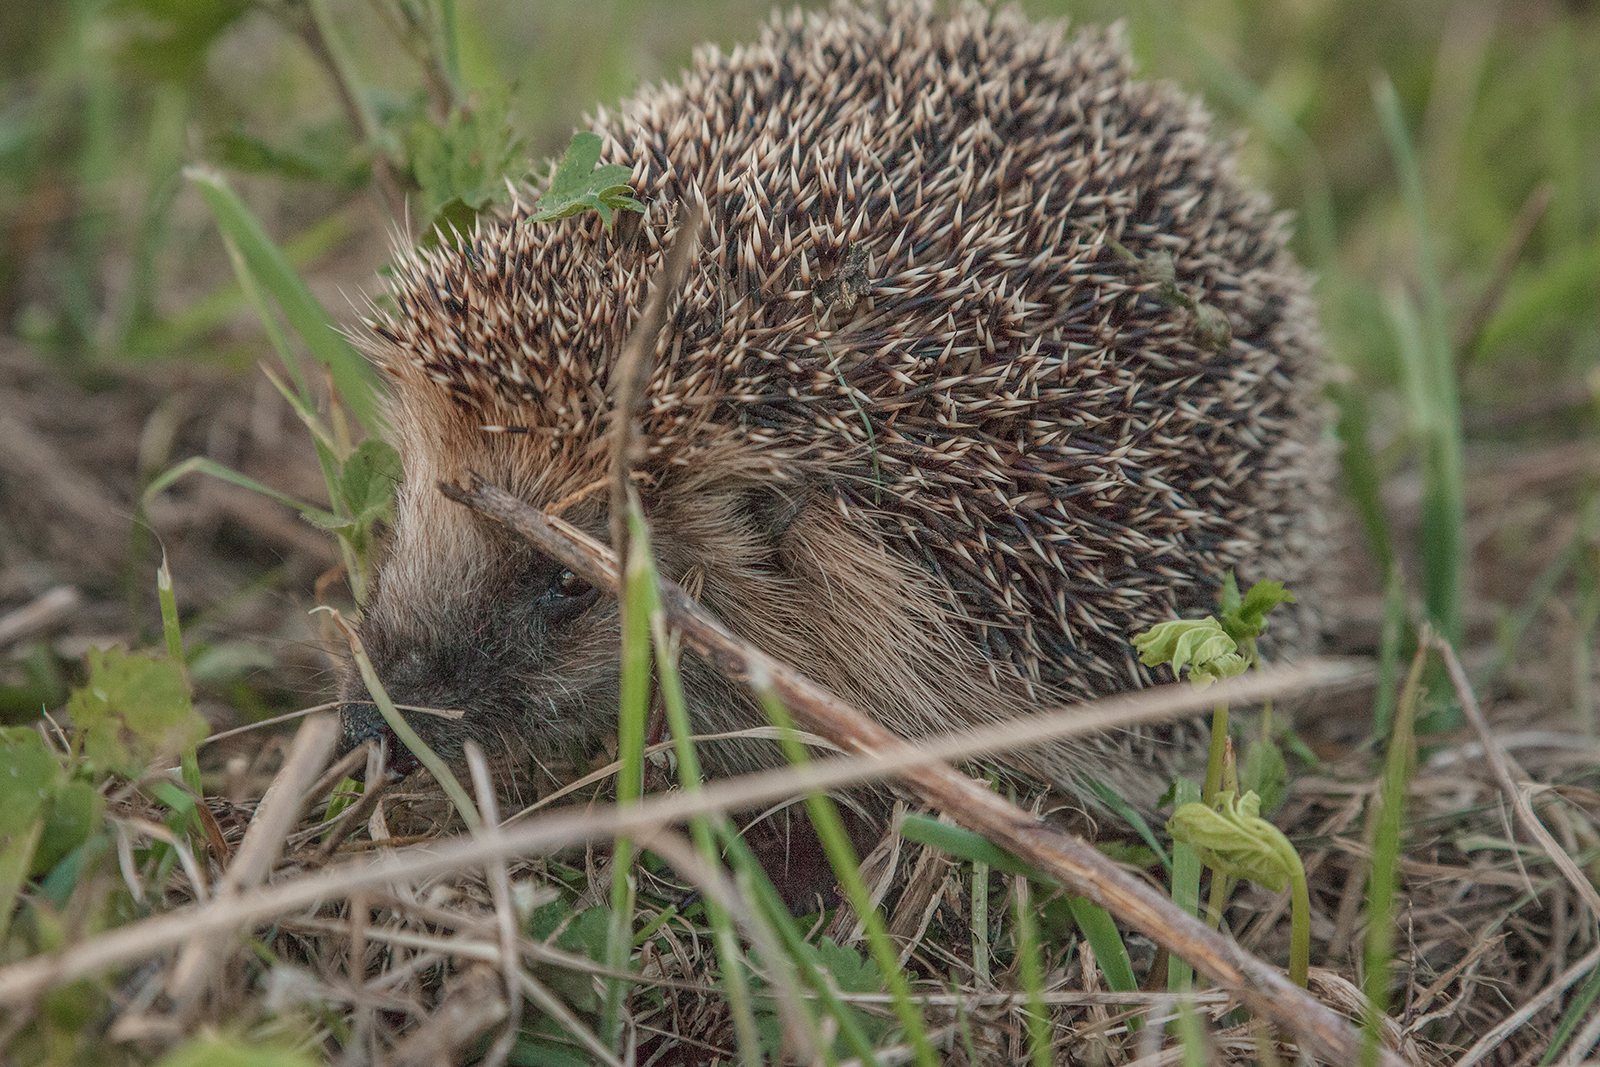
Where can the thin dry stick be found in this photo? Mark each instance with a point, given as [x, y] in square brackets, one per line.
[970, 803]
[505, 916]
[275, 816]
[45, 610]
[1513, 1022]
[1498, 763]
[569, 827]
[633, 366]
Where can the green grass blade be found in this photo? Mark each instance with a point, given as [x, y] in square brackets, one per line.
[1577, 1008]
[352, 375]
[701, 831]
[168, 598]
[1389, 641]
[1186, 868]
[426, 756]
[1383, 879]
[1432, 396]
[847, 868]
[800, 951]
[189, 763]
[1100, 930]
[633, 711]
[205, 465]
[1030, 968]
[1128, 814]
[966, 845]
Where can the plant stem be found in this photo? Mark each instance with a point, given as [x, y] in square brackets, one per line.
[1219, 740]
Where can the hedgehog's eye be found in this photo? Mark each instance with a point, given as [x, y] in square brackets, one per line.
[569, 585]
[565, 597]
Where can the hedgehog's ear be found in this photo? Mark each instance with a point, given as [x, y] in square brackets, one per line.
[773, 509]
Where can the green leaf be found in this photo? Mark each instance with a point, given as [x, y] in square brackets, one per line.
[1109, 952]
[260, 262]
[170, 38]
[29, 774]
[577, 185]
[1228, 601]
[854, 972]
[76, 813]
[966, 845]
[134, 709]
[1244, 621]
[1199, 644]
[466, 159]
[1233, 838]
[1127, 813]
[1265, 772]
[368, 480]
[583, 152]
[1186, 869]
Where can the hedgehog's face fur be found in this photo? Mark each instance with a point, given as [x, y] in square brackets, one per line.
[917, 424]
[467, 616]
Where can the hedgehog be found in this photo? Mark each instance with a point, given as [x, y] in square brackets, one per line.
[941, 415]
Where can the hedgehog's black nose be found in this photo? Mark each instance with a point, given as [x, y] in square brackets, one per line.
[363, 722]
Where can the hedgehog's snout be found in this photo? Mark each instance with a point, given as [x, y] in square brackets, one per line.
[406, 677]
[364, 723]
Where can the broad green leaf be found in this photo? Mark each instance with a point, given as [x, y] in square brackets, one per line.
[854, 972]
[1265, 772]
[1245, 620]
[466, 159]
[578, 186]
[76, 811]
[1199, 644]
[29, 775]
[368, 480]
[134, 709]
[583, 152]
[1233, 838]
[171, 38]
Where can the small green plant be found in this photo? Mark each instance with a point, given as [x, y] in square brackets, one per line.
[1230, 836]
[1224, 828]
[128, 721]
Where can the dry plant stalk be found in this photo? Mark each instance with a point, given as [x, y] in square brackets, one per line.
[1070, 859]
[1500, 764]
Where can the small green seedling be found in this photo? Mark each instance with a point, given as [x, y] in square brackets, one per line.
[1232, 838]
[1228, 833]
